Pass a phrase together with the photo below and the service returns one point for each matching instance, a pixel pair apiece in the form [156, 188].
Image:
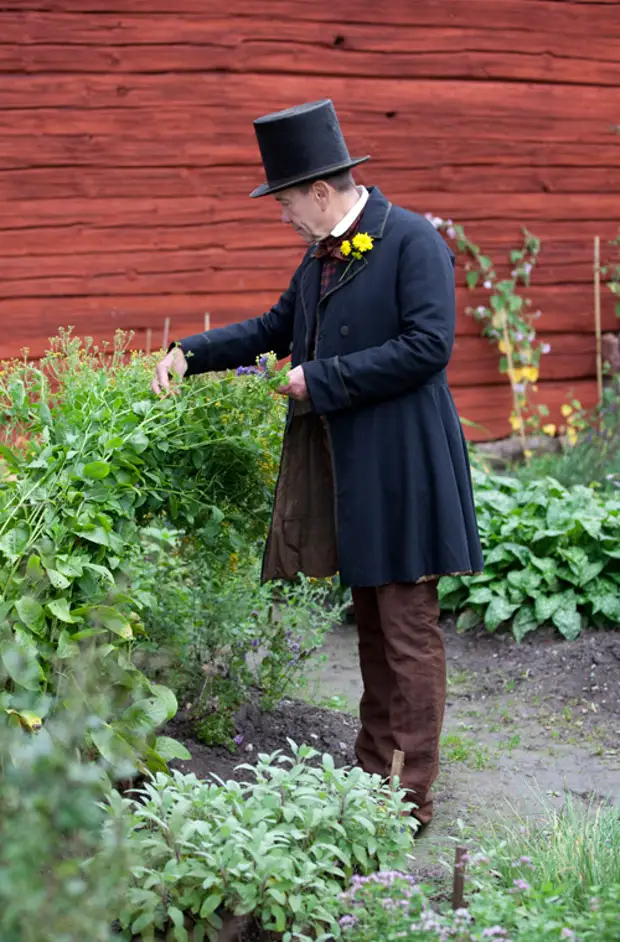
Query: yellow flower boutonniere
[359, 245]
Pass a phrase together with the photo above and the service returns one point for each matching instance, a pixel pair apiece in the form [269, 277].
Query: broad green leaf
[57, 579]
[111, 745]
[66, 648]
[524, 621]
[498, 611]
[31, 613]
[60, 609]
[34, 569]
[211, 903]
[144, 921]
[95, 535]
[178, 920]
[280, 917]
[112, 619]
[546, 605]
[139, 440]
[447, 585]
[609, 605]
[526, 580]
[14, 543]
[97, 470]
[480, 596]
[21, 666]
[278, 895]
[170, 749]
[568, 622]
[46, 415]
[167, 698]
[467, 620]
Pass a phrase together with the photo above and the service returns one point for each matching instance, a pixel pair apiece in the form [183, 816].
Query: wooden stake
[597, 317]
[398, 764]
[515, 395]
[207, 322]
[166, 333]
[149, 340]
[458, 880]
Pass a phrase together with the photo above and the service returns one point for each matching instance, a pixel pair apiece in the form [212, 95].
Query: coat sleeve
[226, 348]
[427, 305]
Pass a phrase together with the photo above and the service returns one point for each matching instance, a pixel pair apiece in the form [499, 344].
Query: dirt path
[523, 725]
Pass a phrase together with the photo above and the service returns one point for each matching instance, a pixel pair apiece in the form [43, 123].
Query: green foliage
[551, 554]
[593, 458]
[217, 635]
[59, 879]
[277, 848]
[89, 457]
[559, 880]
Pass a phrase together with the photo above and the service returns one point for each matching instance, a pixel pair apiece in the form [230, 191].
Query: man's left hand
[295, 386]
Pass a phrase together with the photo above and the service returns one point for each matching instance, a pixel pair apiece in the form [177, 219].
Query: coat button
[344, 331]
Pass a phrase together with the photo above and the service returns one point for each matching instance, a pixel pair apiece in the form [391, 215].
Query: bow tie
[329, 248]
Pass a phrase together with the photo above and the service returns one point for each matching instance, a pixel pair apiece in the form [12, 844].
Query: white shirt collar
[347, 221]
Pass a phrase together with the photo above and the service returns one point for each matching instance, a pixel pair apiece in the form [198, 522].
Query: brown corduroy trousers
[403, 664]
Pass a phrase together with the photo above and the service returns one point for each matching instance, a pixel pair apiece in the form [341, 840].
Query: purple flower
[519, 336]
[247, 370]
[263, 363]
[567, 934]
[255, 642]
[527, 268]
[238, 740]
[527, 861]
[520, 886]
[481, 310]
[294, 647]
[519, 387]
[546, 348]
[451, 231]
[347, 922]
[494, 932]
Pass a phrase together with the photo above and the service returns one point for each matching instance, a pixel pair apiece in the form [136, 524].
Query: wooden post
[597, 317]
[149, 340]
[398, 764]
[458, 880]
[207, 322]
[166, 333]
[515, 395]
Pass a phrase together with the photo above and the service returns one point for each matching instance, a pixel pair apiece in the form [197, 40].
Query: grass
[576, 847]
[465, 749]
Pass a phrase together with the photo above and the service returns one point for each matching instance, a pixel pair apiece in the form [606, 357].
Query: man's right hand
[173, 361]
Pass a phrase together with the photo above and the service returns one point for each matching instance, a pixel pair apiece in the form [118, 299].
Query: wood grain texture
[127, 155]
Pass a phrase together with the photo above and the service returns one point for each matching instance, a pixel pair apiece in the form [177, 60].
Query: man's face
[305, 211]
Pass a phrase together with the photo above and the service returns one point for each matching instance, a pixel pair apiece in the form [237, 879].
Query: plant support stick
[597, 317]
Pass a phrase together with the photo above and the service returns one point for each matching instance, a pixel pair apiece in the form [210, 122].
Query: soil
[525, 725]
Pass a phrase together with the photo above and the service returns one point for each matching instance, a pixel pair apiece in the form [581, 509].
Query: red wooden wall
[127, 154]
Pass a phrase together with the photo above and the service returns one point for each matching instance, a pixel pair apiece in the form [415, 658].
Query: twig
[398, 764]
[515, 395]
[597, 317]
[207, 322]
[458, 880]
[164, 343]
[149, 340]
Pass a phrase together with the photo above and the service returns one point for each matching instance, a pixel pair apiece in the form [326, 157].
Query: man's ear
[321, 191]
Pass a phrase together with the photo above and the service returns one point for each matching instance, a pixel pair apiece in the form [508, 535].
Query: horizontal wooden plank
[178, 181]
[491, 406]
[418, 101]
[573, 17]
[87, 253]
[512, 210]
[455, 54]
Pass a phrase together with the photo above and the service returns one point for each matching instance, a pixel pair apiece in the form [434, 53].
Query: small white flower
[488, 284]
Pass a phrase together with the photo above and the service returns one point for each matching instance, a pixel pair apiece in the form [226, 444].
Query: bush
[59, 879]
[278, 848]
[93, 457]
[551, 554]
[218, 636]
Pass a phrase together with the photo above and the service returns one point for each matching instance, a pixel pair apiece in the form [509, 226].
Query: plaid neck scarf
[328, 251]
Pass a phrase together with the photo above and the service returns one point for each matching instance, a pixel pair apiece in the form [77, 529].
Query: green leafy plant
[89, 457]
[552, 554]
[59, 878]
[276, 848]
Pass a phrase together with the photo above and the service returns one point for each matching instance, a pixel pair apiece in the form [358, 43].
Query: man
[374, 479]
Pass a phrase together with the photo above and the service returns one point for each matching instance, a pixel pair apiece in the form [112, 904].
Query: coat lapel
[374, 218]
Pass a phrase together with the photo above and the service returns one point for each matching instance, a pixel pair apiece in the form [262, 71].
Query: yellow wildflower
[345, 248]
[516, 376]
[362, 242]
[549, 429]
[566, 410]
[516, 423]
[502, 346]
[530, 373]
[571, 435]
[527, 453]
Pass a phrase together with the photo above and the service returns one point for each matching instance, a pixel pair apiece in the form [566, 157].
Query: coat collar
[373, 221]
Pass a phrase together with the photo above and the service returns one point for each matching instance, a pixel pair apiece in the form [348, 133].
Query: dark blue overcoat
[374, 478]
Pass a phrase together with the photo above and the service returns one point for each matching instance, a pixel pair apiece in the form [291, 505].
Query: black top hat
[301, 144]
